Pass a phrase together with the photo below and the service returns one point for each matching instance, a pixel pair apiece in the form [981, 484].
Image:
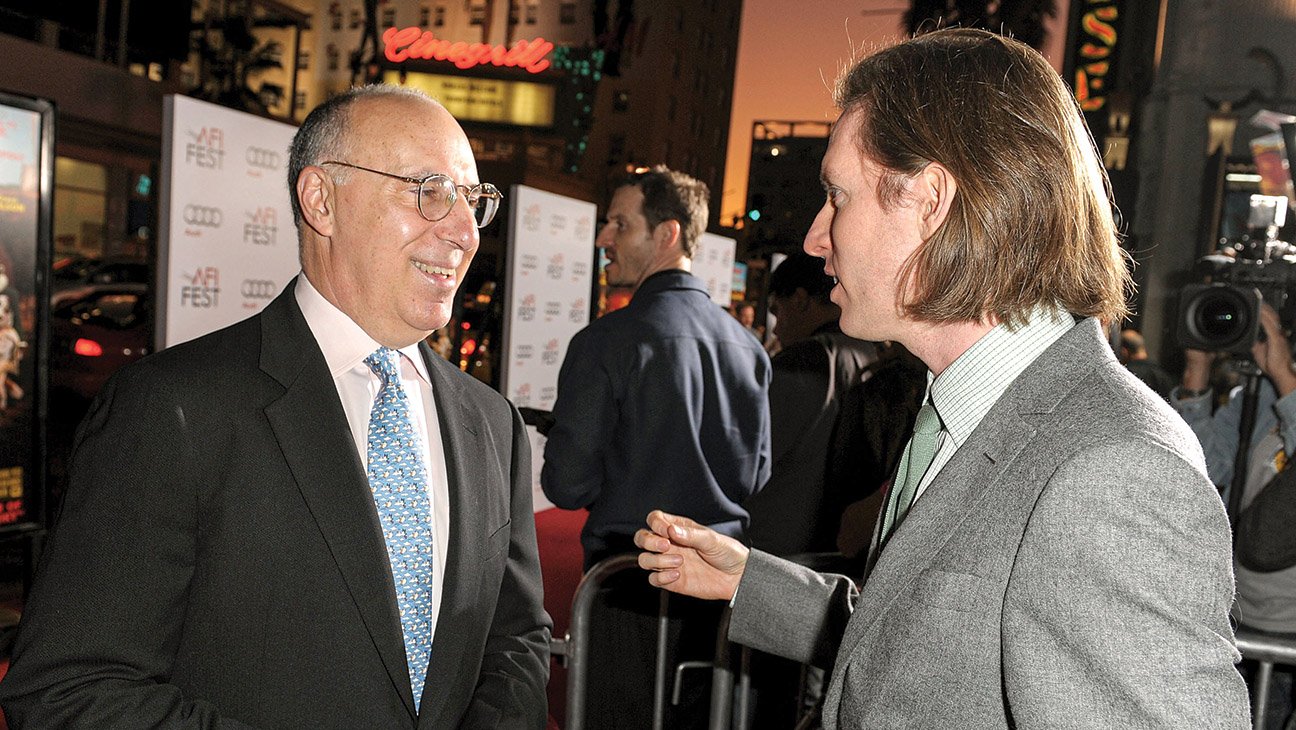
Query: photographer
[1265, 601]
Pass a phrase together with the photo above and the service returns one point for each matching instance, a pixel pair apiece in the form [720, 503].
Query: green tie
[917, 457]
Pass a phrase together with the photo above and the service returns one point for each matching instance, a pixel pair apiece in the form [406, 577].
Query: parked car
[77, 271]
[95, 330]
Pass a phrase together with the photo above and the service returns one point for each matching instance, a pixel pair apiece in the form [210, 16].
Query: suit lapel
[311, 429]
[1002, 438]
[467, 449]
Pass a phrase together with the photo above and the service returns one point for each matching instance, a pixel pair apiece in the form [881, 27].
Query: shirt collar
[344, 343]
[967, 390]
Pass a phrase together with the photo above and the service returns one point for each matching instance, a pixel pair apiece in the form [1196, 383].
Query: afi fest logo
[531, 218]
[584, 227]
[527, 311]
[255, 292]
[197, 217]
[524, 353]
[203, 289]
[577, 313]
[550, 354]
[259, 159]
[555, 268]
[260, 228]
[206, 148]
[522, 396]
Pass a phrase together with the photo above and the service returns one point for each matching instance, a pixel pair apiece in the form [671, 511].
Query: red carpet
[4, 667]
[558, 536]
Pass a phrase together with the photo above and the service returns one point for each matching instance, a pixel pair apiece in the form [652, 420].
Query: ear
[933, 193]
[316, 194]
[667, 235]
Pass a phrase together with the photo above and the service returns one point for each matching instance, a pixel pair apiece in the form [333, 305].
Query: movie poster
[25, 157]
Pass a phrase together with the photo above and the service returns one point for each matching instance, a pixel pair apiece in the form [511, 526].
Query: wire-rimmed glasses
[437, 194]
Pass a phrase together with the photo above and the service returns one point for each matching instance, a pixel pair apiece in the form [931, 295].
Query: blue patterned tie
[398, 479]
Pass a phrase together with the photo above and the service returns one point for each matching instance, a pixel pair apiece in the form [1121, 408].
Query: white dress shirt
[345, 346]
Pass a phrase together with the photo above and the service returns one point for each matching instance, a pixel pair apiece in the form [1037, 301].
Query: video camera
[1224, 314]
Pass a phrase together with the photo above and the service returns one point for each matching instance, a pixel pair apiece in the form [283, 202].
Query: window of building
[335, 18]
[355, 18]
[425, 16]
[389, 17]
[567, 13]
[515, 13]
[332, 53]
[438, 17]
[80, 207]
[621, 101]
[477, 13]
[303, 59]
[532, 12]
[299, 102]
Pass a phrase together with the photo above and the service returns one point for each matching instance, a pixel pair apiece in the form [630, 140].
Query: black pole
[1250, 398]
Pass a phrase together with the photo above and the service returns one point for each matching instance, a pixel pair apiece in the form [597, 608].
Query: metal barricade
[1266, 651]
[574, 648]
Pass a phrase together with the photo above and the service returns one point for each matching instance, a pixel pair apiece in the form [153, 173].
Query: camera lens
[1218, 319]
[1222, 318]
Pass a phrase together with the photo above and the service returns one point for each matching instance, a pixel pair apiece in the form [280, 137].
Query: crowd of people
[944, 493]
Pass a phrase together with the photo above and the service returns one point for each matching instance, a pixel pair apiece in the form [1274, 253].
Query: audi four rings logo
[257, 289]
[202, 215]
[262, 157]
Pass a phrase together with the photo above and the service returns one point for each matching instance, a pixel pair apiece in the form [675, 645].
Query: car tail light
[87, 348]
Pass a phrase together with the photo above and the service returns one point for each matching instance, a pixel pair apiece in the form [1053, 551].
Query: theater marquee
[496, 101]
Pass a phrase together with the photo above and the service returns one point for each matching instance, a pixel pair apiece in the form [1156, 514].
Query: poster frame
[34, 519]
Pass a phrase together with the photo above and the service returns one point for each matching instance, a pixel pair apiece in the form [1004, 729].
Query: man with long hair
[1051, 552]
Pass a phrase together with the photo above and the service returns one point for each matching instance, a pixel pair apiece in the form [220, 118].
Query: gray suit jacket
[1070, 566]
[218, 560]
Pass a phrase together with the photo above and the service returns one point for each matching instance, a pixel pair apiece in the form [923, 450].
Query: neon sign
[1095, 61]
[402, 44]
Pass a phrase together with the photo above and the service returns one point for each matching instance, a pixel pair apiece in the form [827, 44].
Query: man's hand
[691, 559]
[1197, 369]
[1274, 355]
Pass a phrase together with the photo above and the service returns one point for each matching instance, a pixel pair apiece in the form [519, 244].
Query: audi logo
[257, 289]
[201, 215]
[261, 157]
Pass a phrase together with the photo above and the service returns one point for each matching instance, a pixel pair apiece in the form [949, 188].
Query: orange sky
[789, 52]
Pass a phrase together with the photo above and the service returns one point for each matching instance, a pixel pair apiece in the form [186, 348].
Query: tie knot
[383, 364]
[928, 420]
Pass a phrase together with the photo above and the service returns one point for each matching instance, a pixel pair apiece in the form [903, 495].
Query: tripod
[1251, 375]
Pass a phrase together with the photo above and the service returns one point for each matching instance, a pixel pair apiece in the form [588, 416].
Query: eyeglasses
[437, 194]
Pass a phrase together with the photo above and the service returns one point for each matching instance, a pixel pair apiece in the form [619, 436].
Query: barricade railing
[1266, 651]
[575, 649]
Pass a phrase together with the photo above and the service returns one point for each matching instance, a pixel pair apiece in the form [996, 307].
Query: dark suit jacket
[218, 561]
[814, 400]
[1069, 567]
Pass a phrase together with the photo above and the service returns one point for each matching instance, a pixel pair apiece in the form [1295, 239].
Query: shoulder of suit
[469, 387]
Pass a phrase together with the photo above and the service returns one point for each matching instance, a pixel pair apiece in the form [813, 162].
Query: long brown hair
[1031, 221]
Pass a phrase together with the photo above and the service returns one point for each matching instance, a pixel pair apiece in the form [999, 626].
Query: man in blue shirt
[666, 400]
[662, 402]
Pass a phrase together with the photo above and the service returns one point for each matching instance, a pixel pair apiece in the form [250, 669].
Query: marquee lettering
[402, 44]
[1091, 77]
